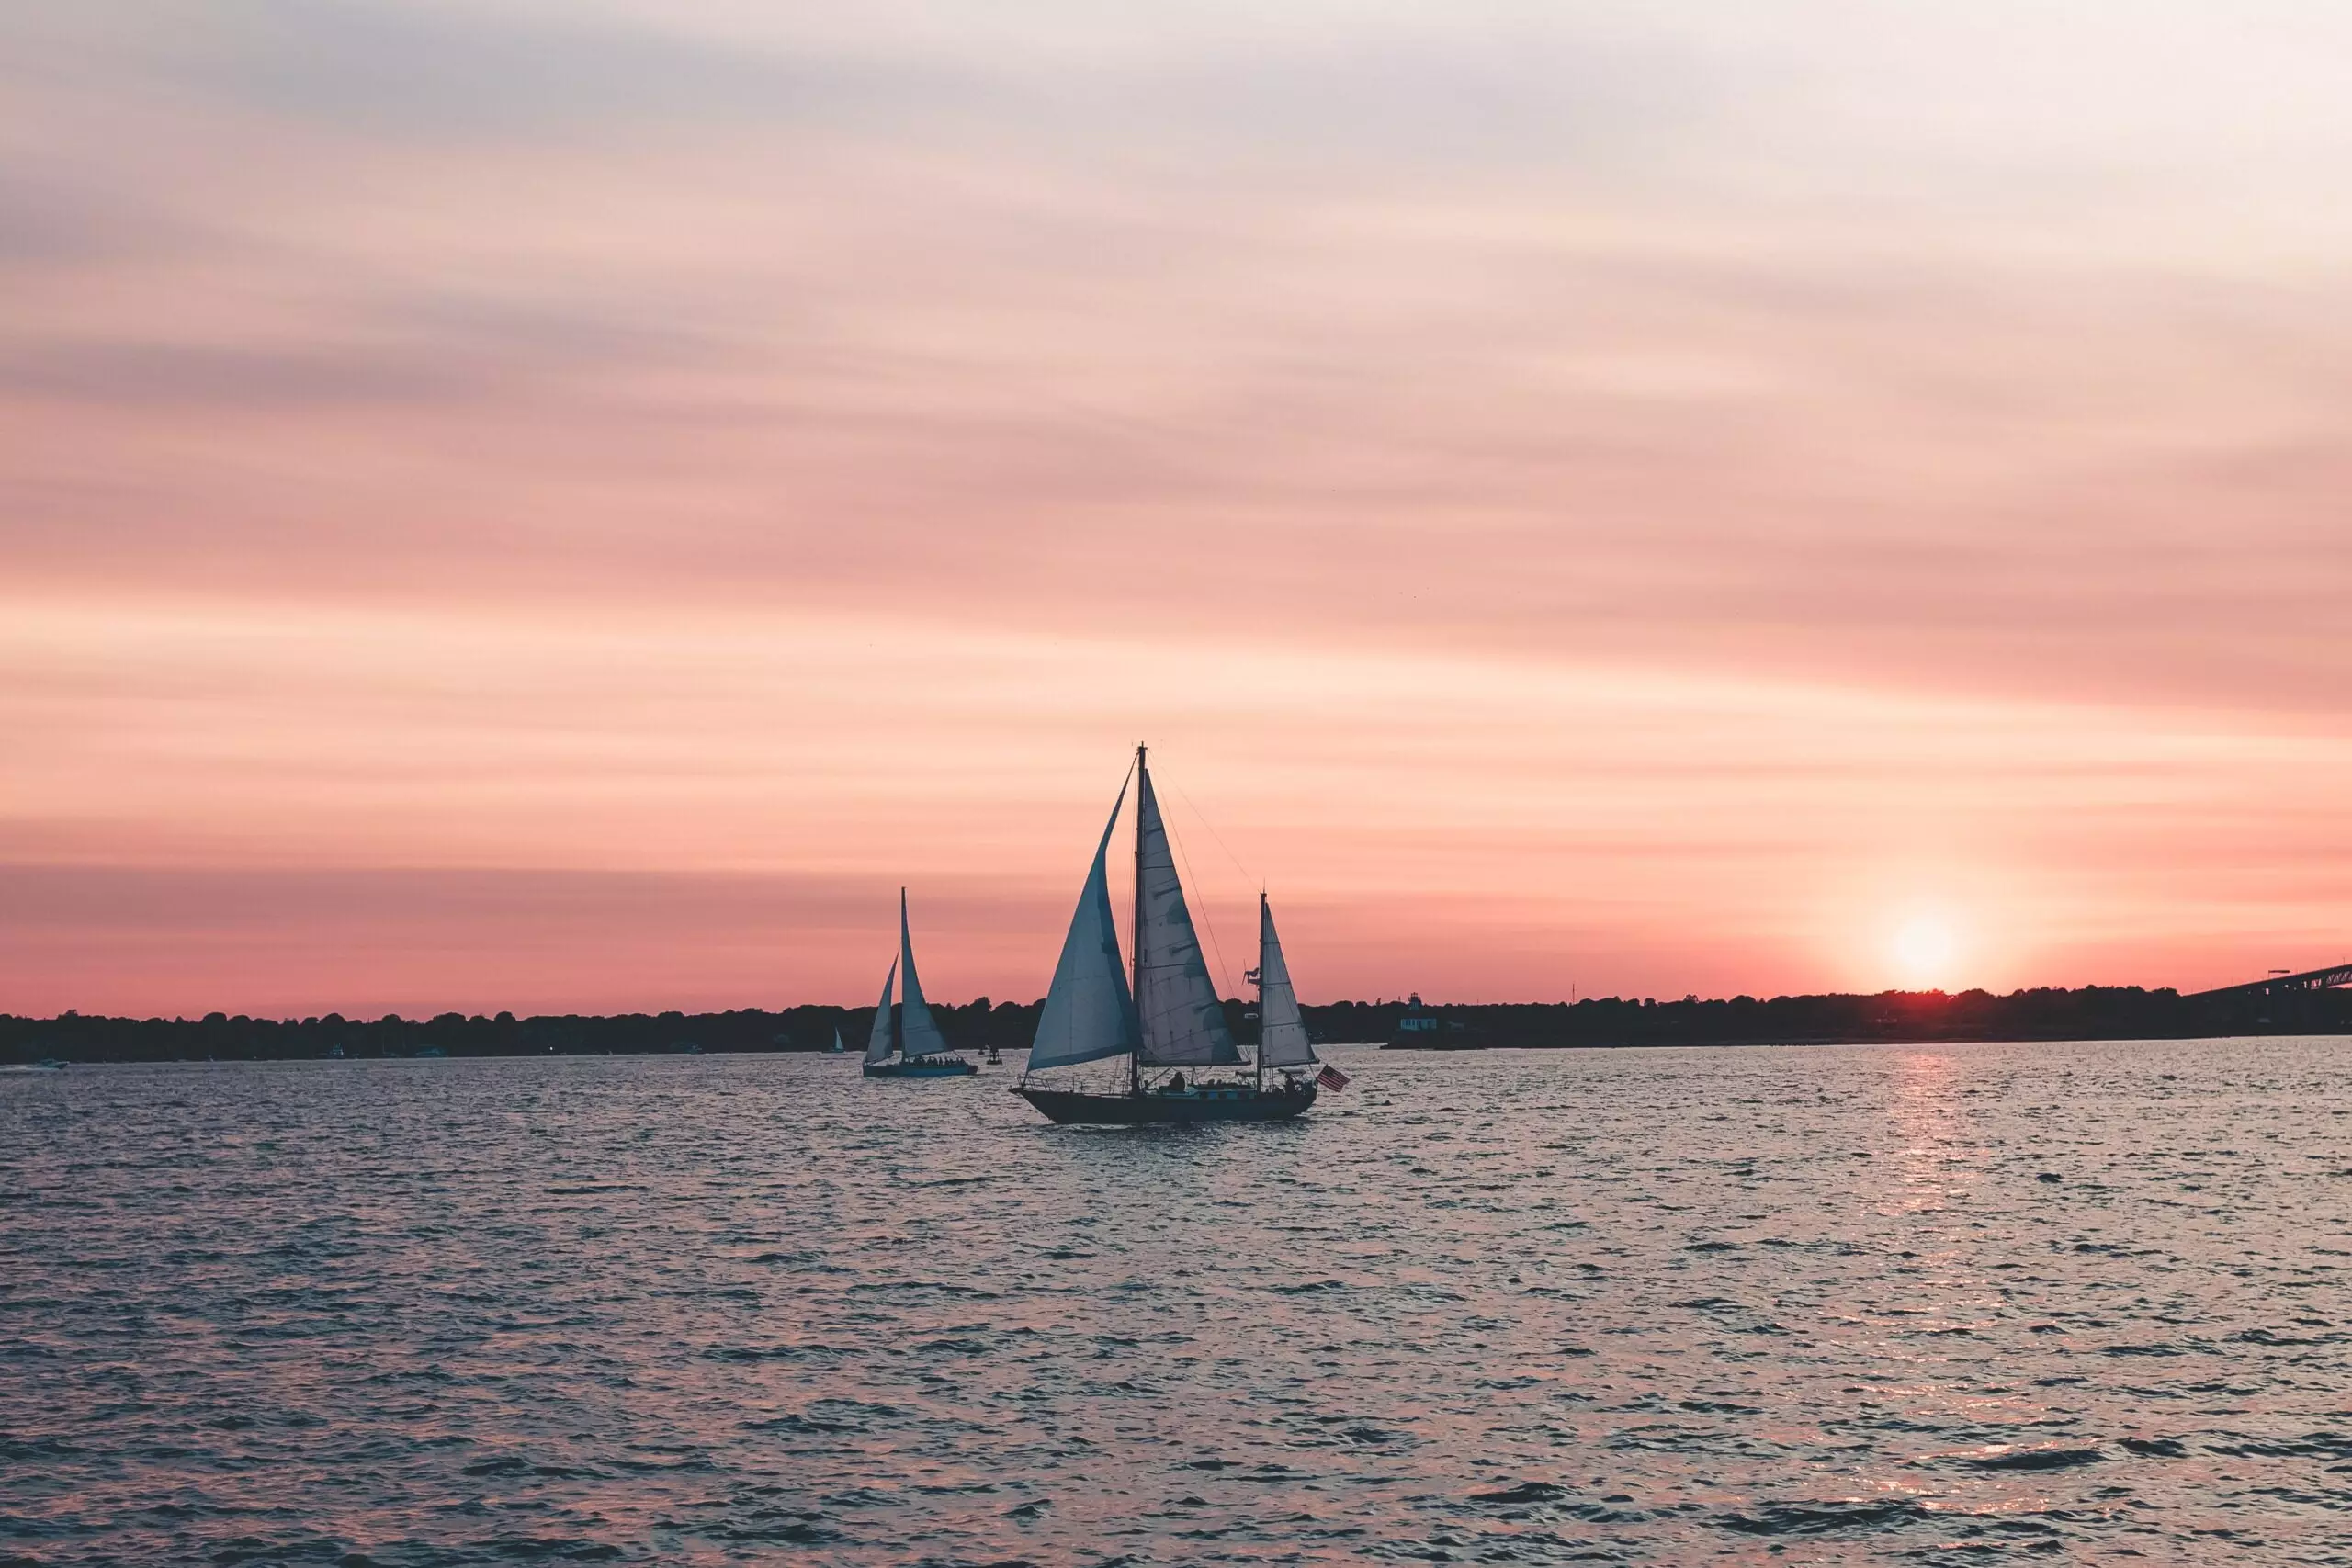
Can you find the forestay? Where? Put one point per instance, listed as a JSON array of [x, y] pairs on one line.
[[1089, 1013], [1281, 1038], [1183, 1022]]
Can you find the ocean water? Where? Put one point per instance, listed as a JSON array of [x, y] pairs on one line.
[[2073, 1301]]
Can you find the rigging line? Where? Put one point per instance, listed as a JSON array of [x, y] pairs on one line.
[[1204, 821], [1223, 973]]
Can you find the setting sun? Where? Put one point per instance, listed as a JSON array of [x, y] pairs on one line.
[[1925, 948]]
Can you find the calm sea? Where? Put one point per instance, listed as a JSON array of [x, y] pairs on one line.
[[1644, 1306]]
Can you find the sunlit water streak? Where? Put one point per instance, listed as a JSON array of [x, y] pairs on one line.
[[1609, 1307]]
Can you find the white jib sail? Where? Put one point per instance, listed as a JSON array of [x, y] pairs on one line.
[[1089, 1012], [919, 1036], [1281, 1034], [1183, 1022], [879, 1044]]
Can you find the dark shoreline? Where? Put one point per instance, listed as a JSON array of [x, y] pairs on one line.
[[2095, 1012]]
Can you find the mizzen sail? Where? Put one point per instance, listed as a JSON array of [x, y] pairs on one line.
[[1281, 1033], [1183, 1022], [1089, 1013]]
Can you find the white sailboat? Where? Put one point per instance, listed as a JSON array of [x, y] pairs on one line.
[[922, 1051], [1163, 1016], [1282, 1030]]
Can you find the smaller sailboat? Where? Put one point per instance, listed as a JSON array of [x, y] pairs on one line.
[[837, 1048], [922, 1051]]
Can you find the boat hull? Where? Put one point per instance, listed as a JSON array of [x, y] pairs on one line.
[[1158, 1110], [949, 1067]]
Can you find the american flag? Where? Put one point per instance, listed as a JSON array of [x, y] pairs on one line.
[[1332, 1078]]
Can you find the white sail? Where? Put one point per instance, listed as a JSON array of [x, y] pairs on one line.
[[919, 1036], [1183, 1022], [879, 1044], [838, 1047], [1088, 1013], [1281, 1033]]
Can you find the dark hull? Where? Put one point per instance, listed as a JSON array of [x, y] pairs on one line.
[[925, 1067], [1152, 1110]]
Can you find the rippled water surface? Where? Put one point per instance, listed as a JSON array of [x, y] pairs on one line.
[[2082, 1300]]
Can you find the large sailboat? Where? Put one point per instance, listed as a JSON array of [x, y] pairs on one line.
[[921, 1049], [1159, 1028]]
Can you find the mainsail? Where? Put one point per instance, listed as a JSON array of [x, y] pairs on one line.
[[919, 1036], [1183, 1022], [1089, 1013], [1281, 1034], [879, 1044]]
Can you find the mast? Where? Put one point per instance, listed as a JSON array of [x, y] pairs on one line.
[[1257, 1052], [1134, 1058]]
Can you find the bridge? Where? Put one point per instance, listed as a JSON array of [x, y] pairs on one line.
[[2280, 984]]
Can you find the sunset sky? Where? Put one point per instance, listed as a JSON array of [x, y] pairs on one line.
[[568, 505]]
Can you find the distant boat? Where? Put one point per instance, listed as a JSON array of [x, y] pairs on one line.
[[995, 1057], [922, 1050], [836, 1048], [1166, 1022]]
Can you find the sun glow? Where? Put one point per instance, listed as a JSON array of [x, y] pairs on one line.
[[1925, 947]]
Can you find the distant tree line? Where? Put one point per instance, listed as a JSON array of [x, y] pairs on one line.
[[2094, 1012], [976, 1026], [2090, 1013]]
